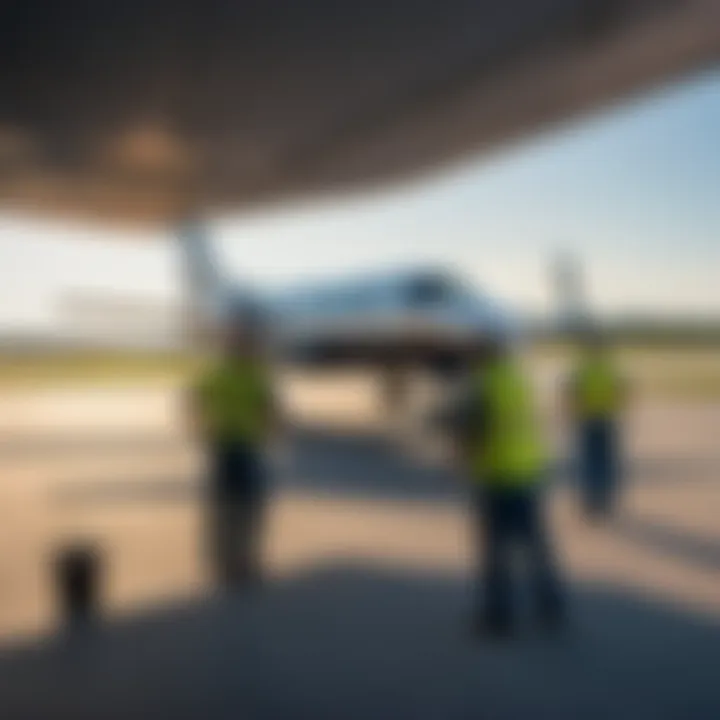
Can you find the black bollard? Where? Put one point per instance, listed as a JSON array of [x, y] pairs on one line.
[[77, 570]]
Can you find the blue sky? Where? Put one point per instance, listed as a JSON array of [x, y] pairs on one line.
[[633, 192]]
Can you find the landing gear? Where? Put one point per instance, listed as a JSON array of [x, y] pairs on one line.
[[395, 390]]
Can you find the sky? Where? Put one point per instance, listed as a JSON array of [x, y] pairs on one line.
[[632, 193]]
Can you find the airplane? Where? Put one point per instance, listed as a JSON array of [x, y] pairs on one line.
[[416, 317]]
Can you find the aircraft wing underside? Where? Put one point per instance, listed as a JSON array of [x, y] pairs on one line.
[[127, 109]]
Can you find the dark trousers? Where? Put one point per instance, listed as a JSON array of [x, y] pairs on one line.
[[599, 465], [509, 520], [236, 506]]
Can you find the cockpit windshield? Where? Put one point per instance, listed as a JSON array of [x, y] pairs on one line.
[[428, 290]]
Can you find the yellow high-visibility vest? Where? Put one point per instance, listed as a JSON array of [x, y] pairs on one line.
[[511, 450], [235, 401], [598, 388]]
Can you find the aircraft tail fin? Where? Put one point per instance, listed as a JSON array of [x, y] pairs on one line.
[[205, 286]]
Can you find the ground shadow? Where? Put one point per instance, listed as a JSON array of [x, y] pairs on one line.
[[321, 461], [668, 541], [330, 460], [356, 641], [326, 460], [687, 471]]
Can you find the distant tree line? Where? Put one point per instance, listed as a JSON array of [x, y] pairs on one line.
[[649, 332]]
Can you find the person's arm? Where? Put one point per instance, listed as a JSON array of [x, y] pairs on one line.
[[274, 429], [625, 392], [269, 405], [194, 415], [568, 395], [471, 426]]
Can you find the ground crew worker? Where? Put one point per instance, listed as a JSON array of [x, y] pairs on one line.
[[233, 409], [596, 396], [505, 458]]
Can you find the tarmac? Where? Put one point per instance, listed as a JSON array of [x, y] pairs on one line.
[[364, 613]]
